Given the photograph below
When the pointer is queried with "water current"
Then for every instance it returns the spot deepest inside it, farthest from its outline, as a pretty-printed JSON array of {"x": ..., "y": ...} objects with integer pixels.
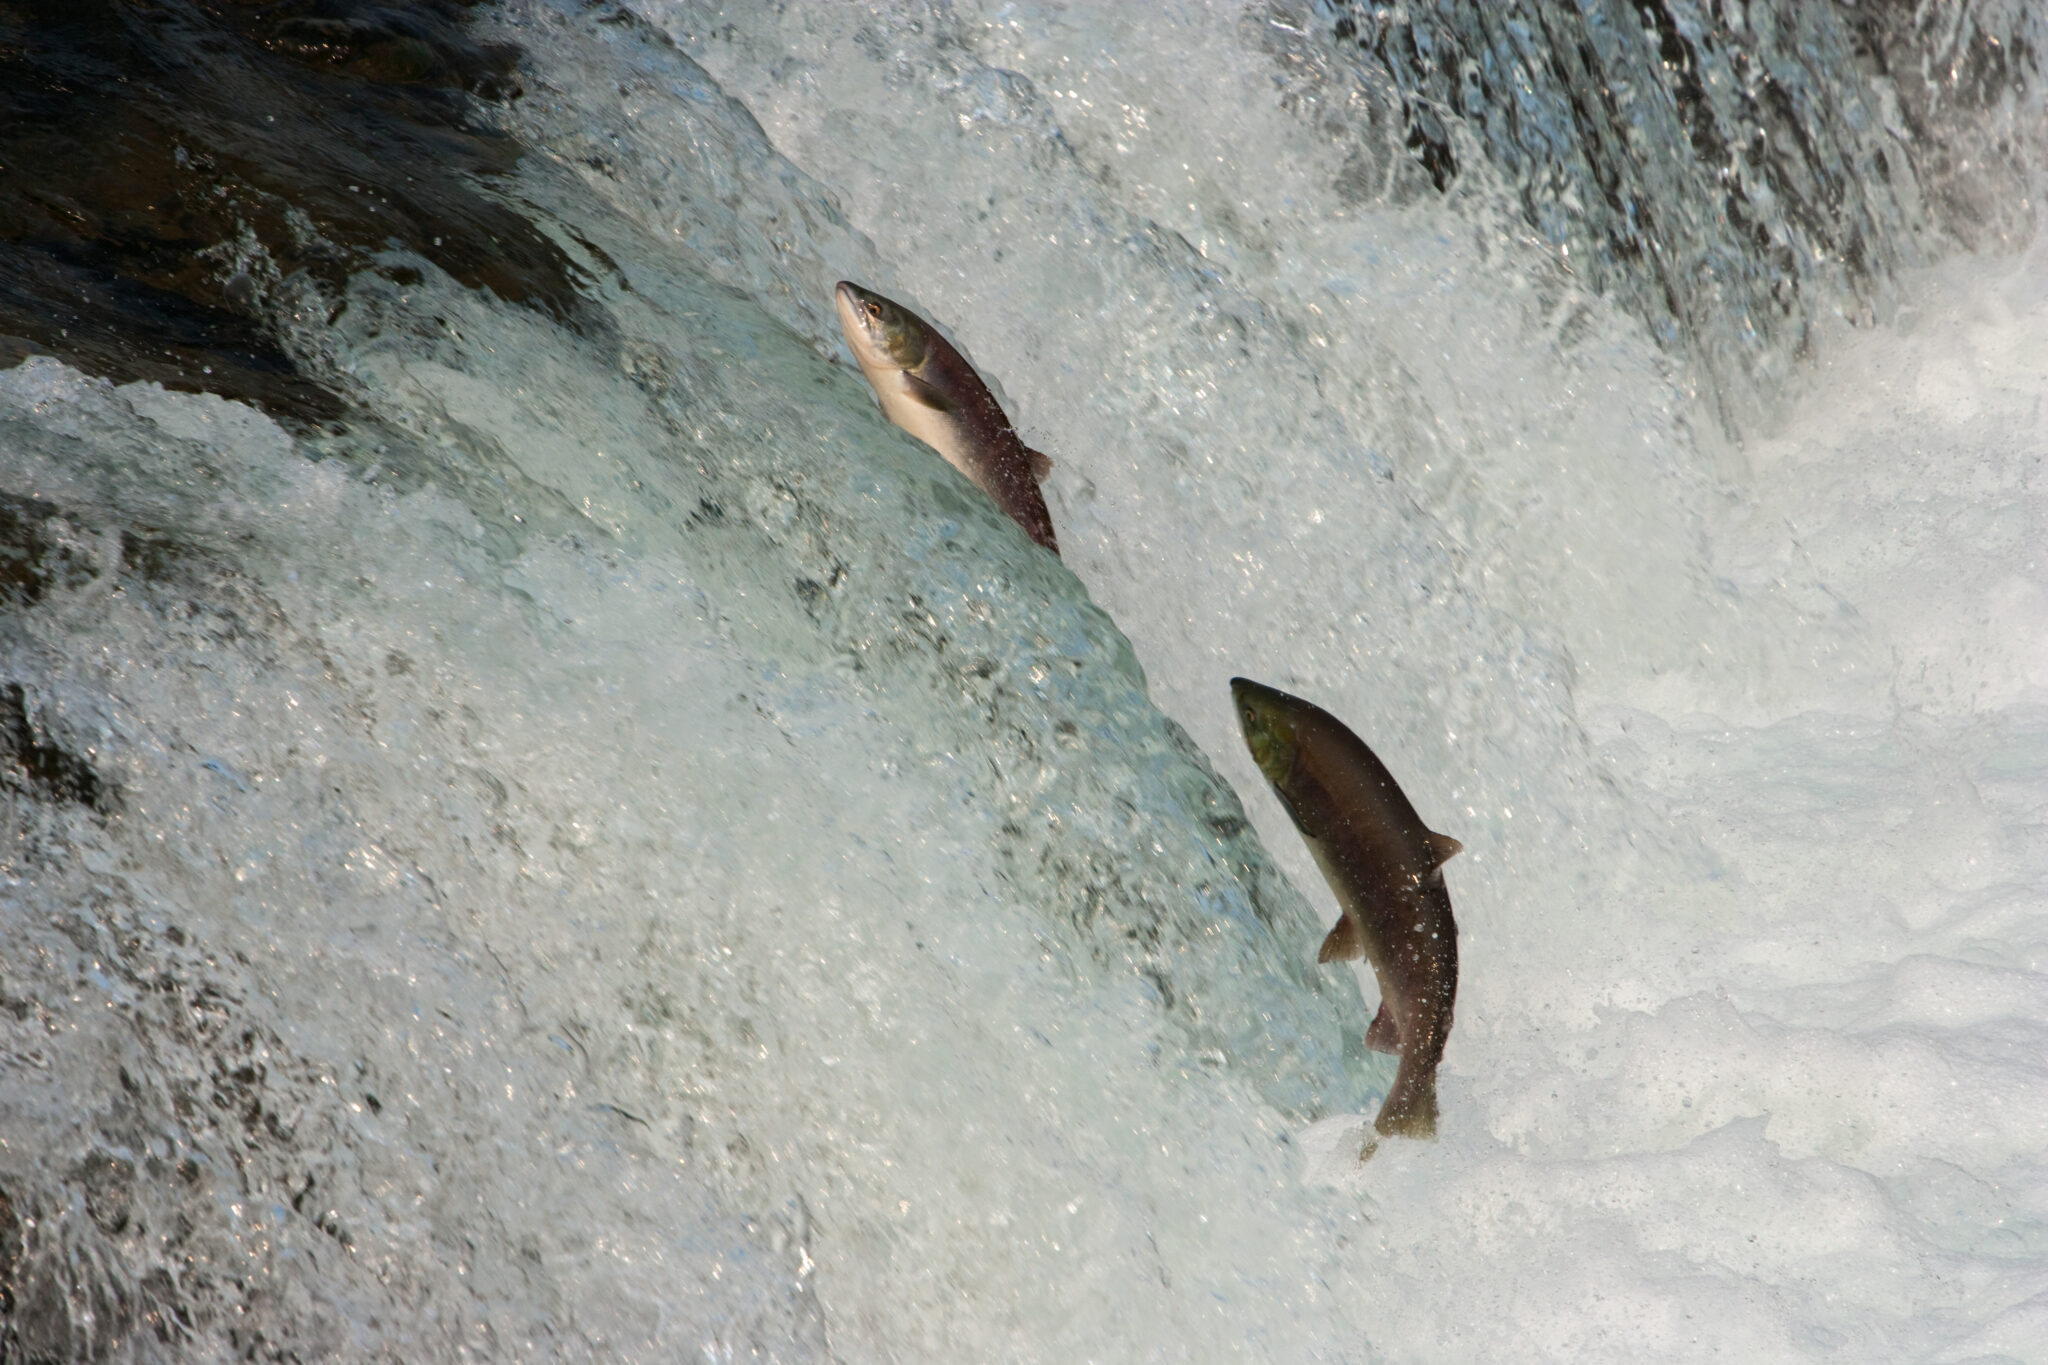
[{"x": 539, "y": 827}]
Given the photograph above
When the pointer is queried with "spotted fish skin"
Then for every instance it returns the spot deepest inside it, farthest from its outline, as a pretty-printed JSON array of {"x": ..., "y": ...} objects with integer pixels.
[
  {"x": 927, "y": 387},
  {"x": 1386, "y": 868}
]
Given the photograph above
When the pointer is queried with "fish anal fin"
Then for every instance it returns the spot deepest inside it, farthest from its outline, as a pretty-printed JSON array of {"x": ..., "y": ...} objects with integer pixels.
[
  {"x": 1343, "y": 942},
  {"x": 927, "y": 394},
  {"x": 1041, "y": 464},
  {"x": 1443, "y": 848},
  {"x": 1384, "y": 1035}
]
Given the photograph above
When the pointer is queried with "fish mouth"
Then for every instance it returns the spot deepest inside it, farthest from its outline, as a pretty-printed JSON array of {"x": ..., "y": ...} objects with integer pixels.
[
  {"x": 1242, "y": 689},
  {"x": 1268, "y": 731},
  {"x": 1256, "y": 701},
  {"x": 853, "y": 319}
]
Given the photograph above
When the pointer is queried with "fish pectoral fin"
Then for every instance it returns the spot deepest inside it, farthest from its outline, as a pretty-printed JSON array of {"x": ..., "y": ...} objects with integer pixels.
[
  {"x": 1384, "y": 1035},
  {"x": 1443, "y": 848},
  {"x": 1343, "y": 942},
  {"x": 926, "y": 394},
  {"x": 1041, "y": 465}
]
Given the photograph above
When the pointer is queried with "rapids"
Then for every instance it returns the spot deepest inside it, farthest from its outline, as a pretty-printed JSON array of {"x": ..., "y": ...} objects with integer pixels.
[{"x": 538, "y": 826}]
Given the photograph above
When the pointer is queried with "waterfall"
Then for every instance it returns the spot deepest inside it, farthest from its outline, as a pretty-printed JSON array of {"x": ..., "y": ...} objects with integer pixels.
[{"x": 539, "y": 826}]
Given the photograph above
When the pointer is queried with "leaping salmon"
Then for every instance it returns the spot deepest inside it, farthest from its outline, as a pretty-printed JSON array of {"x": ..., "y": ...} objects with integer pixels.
[
  {"x": 1386, "y": 867},
  {"x": 928, "y": 388}
]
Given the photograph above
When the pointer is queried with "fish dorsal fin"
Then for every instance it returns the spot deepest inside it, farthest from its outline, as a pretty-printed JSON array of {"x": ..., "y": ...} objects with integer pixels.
[
  {"x": 1443, "y": 848},
  {"x": 926, "y": 394},
  {"x": 1041, "y": 464},
  {"x": 1343, "y": 942}
]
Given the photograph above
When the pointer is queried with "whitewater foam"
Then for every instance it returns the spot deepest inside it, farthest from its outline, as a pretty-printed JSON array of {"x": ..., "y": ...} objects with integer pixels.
[{"x": 619, "y": 852}]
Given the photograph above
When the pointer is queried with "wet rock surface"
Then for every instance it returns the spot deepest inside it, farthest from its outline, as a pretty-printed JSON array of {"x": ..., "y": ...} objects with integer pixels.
[{"x": 187, "y": 186}]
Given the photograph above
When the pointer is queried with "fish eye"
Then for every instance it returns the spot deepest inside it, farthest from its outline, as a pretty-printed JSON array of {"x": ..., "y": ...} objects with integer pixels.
[{"x": 1250, "y": 716}]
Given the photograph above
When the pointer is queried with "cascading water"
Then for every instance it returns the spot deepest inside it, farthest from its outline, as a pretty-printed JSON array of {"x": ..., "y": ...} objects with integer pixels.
[{"x": 541, "y": 827}]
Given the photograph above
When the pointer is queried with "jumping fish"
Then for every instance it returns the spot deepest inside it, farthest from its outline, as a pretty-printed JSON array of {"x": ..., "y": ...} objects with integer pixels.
[
  {"x": 928, "y": 388},
  {"x": 1386, "y": 867}
]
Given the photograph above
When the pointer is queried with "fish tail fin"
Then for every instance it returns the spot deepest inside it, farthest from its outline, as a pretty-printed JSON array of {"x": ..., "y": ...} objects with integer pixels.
[
  {"x": 1040, "y": 530},
  {"x": 1410, "y": 1110}
]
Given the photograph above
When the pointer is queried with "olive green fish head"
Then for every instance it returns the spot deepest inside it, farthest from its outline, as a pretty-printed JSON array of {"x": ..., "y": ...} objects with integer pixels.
[
  {"x": 1267, "y": 716},
  {"x": 884, "y": 334}
]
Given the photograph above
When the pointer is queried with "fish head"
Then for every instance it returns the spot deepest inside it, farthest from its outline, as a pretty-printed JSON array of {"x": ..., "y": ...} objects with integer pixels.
[
  {"x": 884, "y": 334},
  {"x": 1267, "y": 716}
]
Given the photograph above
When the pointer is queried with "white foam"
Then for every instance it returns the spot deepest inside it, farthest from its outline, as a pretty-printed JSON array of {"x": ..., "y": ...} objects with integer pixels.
[{"x": 1743, "y": 743}]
